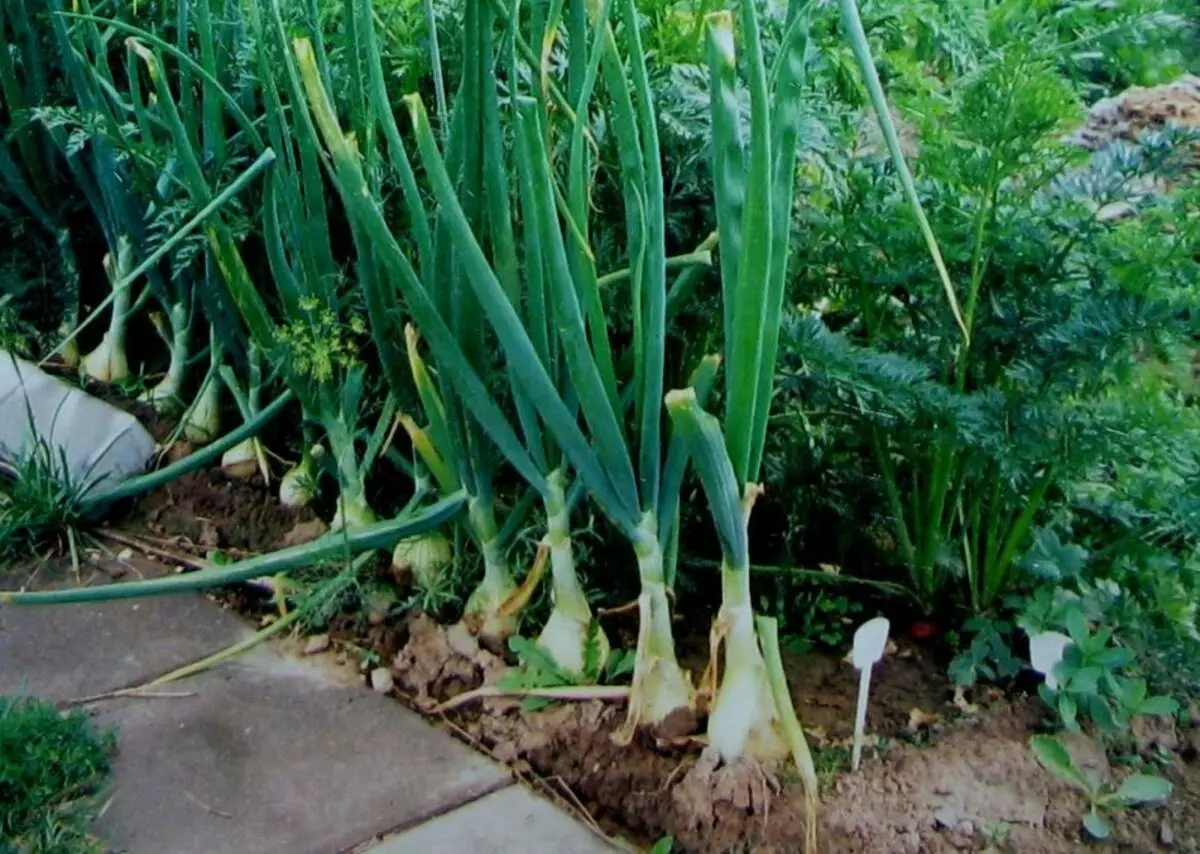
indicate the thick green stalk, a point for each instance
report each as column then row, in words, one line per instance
column 744, row 353
column 586, row 377
column 729, row 157
column 785, row 133
column 329, row 547
column 857, row 36
column 585, row 69
column 654, row 283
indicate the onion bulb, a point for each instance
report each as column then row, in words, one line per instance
column 298, row 487
column 242, row 460
column 426, row 556
column 203, row 423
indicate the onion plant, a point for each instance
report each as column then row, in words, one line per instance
column 754, row 193
column 101, row 176
column 751, row 715
column 562, row 330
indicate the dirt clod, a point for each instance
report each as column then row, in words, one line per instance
column 316, row 644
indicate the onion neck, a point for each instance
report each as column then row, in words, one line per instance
column 660, row 686
column 743, row 723
column 569, row 631
column 484, row 608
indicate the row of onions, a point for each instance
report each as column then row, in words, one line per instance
column 468, row 226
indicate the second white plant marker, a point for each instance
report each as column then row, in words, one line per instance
column 869, row 643
column 1045, row 652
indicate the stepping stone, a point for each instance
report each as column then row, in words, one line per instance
column 274, row 754
column 64, row 652
column 510, row 821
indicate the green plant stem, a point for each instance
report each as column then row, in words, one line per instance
column 379, row 535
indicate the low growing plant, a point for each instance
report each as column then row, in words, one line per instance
column 52, row 769
column 1103, row 799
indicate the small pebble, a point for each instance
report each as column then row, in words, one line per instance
column 381, row 680
column 316, row 644
column 1166, row 836
column 945, row 819
column 966, row 828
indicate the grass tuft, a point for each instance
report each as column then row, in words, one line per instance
column 52, row 770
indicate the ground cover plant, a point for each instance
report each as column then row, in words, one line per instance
column 736, row 326
column 53, row 768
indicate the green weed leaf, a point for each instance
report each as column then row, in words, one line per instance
column 1097, row 825
column 1055, row 758
column 1138, row 789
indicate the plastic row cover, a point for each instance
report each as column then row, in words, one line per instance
column 98, row 443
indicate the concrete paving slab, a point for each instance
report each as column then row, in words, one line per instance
column 275, row 755
column 511, row 821
column 62, row 652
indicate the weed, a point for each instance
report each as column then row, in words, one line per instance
column 39, row 501
column 52, row 767
column 1134, row 790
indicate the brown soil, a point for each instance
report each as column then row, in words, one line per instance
column 207, row 508
column 212, row 510
column 965, row 780
column 1136, row 110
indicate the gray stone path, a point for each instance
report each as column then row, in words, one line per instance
column 267, row 754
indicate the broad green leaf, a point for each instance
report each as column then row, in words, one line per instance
column 1068, row 710
column 1097, row 825
column 1163, row 706
column 1142, row 789
column 1055, row 758
column 1116, row 658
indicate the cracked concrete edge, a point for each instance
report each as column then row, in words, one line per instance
column 371, row 844
column 501, row 822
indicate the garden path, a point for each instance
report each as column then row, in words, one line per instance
column 270, row 753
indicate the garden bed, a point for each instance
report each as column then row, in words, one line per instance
column 946, row 776
column 948, row 773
